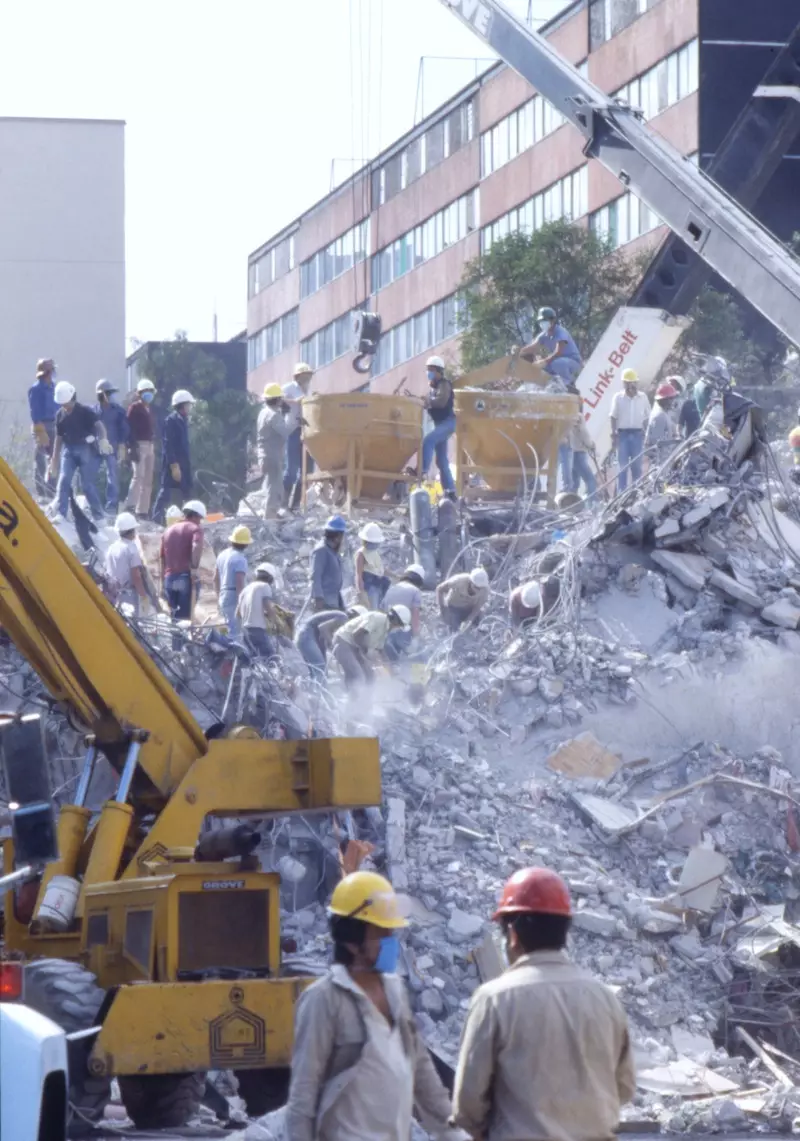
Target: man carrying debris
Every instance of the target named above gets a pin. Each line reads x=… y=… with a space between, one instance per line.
x=545 y=1051
x=314 y=639
x=112 y=415
x=80 y=441
x=326 y=567
x=440 y=406
x=141 y=448
x=272 y=432
x=630 y=412
x=176 y=465
x=43 y=409
x=363 y=637
x=293 y=393
x=230 y=576
x=179 y=558
x=660 y=436
x=563 y=359
x=794 y=444
x=255 y=608
x=124 y=565
x=371 y=582
x=532 y=600
x=462 y=597
x=359 y=1067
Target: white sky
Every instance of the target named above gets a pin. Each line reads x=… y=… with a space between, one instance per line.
x=234 y=113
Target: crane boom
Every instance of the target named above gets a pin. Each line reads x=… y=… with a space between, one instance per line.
x=710 y=222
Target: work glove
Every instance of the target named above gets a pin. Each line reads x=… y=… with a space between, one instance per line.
x=122 y=453
x=40 y=435
x=175 y=472
x=104 y=448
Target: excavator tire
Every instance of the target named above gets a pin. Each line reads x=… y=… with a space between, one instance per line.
x=161 y=1101
x=68 y=995
x=263 y=1090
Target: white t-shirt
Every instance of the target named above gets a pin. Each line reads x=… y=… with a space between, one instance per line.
x=122 y=557
x=630 y=411
x=251 y=604
x=293 y=391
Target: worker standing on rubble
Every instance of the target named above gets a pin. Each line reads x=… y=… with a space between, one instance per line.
x=359 y=1067
x=545 y=1051
x=582 y=447
x=176 y=465
x=141 y=449
x=563 y=359
x=532 y=600
x=293 y=392
x=407 y=591
x=363 y=637
x=43 y=409
x=124 y=565
x=179 y=557
x=794 y=444
x=630 y=412
x=371 y=582
x=314 y=639
x=79 y=442
x=255 y=608
x=326 y=567
x=689 y=415
x=112 y=414
x=440 y=406
x=272 y=431
x=661 y=429
x=230 y=576
x=462 y=597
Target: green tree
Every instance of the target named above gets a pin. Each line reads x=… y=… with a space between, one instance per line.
x=223 y=423
x=563 y=265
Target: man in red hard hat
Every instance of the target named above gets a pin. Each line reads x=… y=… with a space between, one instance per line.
x=662 y=430
x=545 y=1054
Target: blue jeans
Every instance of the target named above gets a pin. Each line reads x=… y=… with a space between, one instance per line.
x=168 y=490
x=565 y=466
x=313 y=656
x=82 y=458
x=293 y=466
x=630 y=445
x=375 y=586
x=112 y=484
x=582 y=470
x=227 y=605
x=397 y=644
x=178 y=589
x=435 y=442
x=563 y=367
x=258 y=642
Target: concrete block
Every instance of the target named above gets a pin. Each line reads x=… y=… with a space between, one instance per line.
x=668 y=527
x=734 y=589
x=788 y=640
x=691 y=570
x=696 y=514
x=717 y=497
x=601 y=923
x=658 y=504
x=782 y=612
x=461 y=925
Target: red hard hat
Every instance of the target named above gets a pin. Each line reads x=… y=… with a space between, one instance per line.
x=665 y=391
x=534 y=890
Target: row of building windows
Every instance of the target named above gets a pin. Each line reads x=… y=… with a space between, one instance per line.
x=419 y=333
x=325 y=265
x=272 y=340
x=270 y=266
x=425 y=241
x=624 y=220
x=672 y=79
x=528 y=124
x=567 y=198
x=608 y=18
x=424 y=153
x=329 y=342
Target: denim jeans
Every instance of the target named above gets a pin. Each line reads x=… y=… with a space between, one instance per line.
x=293 y=467
x=112 y=484
x=375 y=586
x=178 y=589
x=435 y=442
x=258 y=642
x=397 y=644
x=41 y=458
x=582 y=470
x=565 y=466
x=565 y=368
x=313 y=656
x=630 y=445
x=228 y=600
x=82 y=458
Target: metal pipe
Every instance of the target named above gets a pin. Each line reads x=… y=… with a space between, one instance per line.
x=86 y=775
x=21 y=875
x=126 y=779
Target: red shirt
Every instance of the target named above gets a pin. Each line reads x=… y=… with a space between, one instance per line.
x=181 y=547
x=140 y=421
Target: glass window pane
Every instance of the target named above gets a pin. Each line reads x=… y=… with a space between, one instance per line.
x=513 y=135
x=538 y=212
x=347 y=252
x=673 y=94
x=434 y=141
x=422 y=331
x=499 y=144
x=413 y=161
x=662 y=84
x=694 y=67
x=438 y=323
x=472 y=210
x=461 y=209
x=469 y=112
x=455 y=129
x=623 y=220
x=438 y=240
x=396 y=267
x=486 y=239
x=538 y=118
x=526 y=126
x=486 y=154
x=597 y=23
x=392 y=172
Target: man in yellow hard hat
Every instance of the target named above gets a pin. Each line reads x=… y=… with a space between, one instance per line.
x=630 y=413
x=230 y=576
x=359 y=1067
x=272 y=432
x=293 y=393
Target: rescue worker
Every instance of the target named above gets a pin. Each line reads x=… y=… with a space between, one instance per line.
x=407 y=591
x=176 y=465
x=326 y=567
x=630 y=412
x=661 y=429
x=124 y=565
x=362 y=638
x=172 y=515
x=272 y=431
x=545 y=1051
x=141 y=449
x=371 y=582
x=532 y=600
x=230 y=576
x=440 y=406
x=564 y=359
x=794 y=444
x=179 y=557
x=689 y=415
x=80 y=439
x=359 y=1067
x=314 y=639
x=43 y=409
x=255 y=608
x=582 y=447
x=462 y=597
x=112 y=415
x=293 y=393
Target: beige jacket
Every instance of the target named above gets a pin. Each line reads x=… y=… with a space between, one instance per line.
x=545 y=1056
x=329 y=1035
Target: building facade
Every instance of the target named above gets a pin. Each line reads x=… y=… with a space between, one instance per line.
x=62 y=257
x=496 y=159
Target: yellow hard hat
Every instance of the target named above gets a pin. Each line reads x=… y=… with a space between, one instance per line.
x=368 y=897
x=630 y=376
x=273 y=392
x=241 y=535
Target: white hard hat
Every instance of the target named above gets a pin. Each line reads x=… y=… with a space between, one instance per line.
x=401 y=612
x=173 y=512
x=106 y=387
x=182 y=396
x=531 y=595
x=416 y=568
x=124 y=522
x=196 y=507
x=371 y=533
x=303 y=369
x=63 y=392
x=357 y=610
x=435 y=362
x=267 y=568
x=145 y=385
x=479 y=577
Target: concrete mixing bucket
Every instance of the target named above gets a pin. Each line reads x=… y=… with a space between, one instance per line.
x=497 y=434
x=364 y=438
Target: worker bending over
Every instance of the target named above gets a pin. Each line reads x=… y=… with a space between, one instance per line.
x=364 y=637
x=176 y=464
x=314 y=639
x=359 y=1067
x=662 y=430
x=440 y=406
x=794 y=444
x=371 y=582
x=179 y=558
x=462 y=597
x=43 y=409
x=532 y=600
x=563 y=359
x=113 y=418
x=255 y=609
x=272 y=431
x=124 y=565
x=230 y=576
x=407 y=591
x=80 y=441
x=545 y=1052
x=326 y=567
x=630 y=412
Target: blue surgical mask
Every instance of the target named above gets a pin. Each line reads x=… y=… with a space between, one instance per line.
x=147 y=397
x=113 y=397
x=432 y=376
x=544 y=326
x=389 y=955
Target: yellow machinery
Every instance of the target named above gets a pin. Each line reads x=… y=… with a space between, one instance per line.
x=185 y=946
x=362 y=439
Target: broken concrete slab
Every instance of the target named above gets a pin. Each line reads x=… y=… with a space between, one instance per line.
x=783 y=613
x=607 y=814
x=396 y=842
x=685 y=1078
x=601 y=923
x=668 y=527
x=584 y=756
x=735 y=589
x=691 y=570
x=462 y=926
x=700 y=878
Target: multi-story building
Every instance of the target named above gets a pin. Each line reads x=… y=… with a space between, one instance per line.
x=498 y=158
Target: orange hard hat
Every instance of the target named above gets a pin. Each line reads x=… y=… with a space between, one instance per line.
x=665 y=391
x=534 y=890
